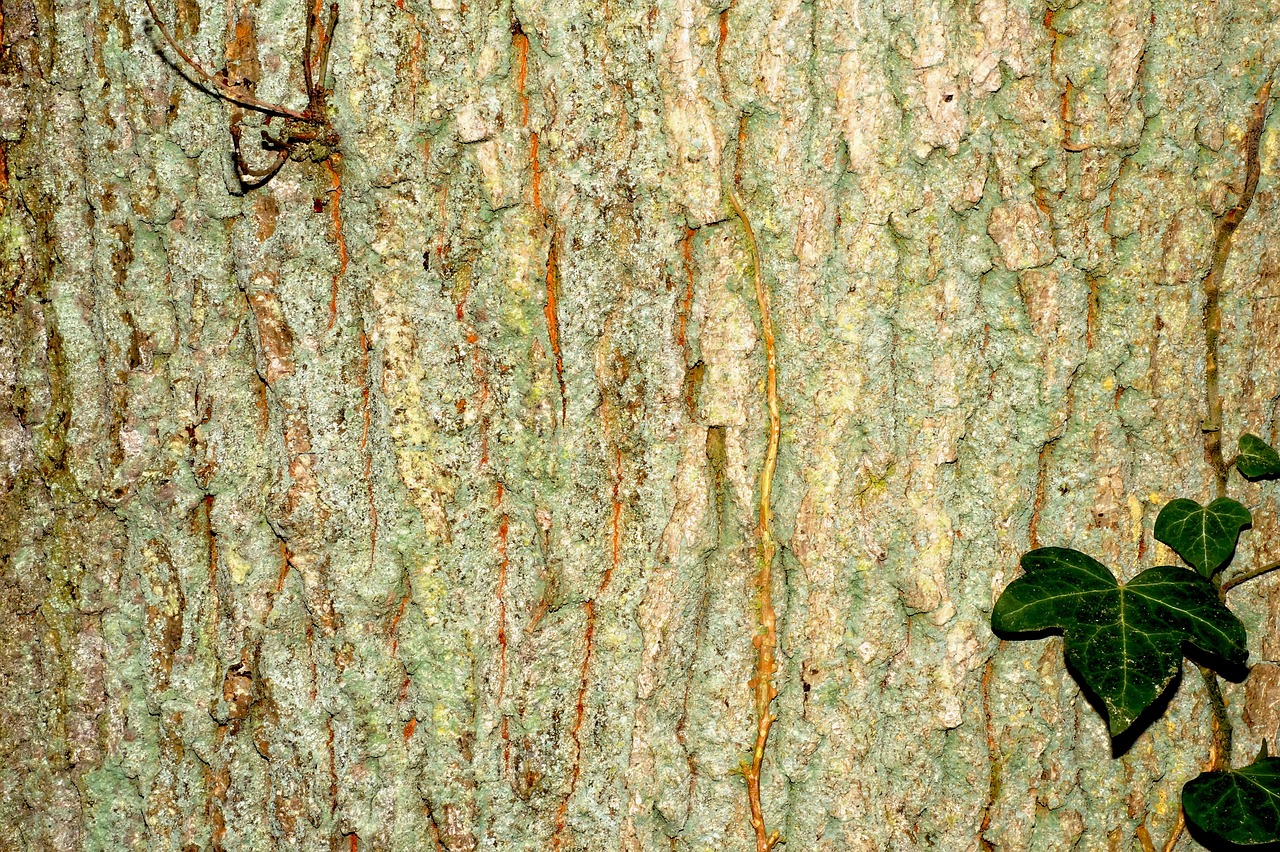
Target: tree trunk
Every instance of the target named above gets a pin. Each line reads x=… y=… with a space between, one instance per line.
x=412 y=500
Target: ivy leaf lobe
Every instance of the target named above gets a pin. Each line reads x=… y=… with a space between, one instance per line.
x=1257 y=458
x=1241 y=806
x=1125 y=641
x=1205 y=536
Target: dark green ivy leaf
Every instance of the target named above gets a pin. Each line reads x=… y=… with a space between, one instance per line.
x=1125 y=641
x=1257 y=460
x=1241 y=806
x=1205 y=536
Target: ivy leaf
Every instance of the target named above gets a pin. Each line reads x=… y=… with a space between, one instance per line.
x=1205 y=536
x=1257 y=460
x=1126 y=641
x=1240 y=806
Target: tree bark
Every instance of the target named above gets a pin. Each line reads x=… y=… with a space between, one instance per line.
x=413 y=500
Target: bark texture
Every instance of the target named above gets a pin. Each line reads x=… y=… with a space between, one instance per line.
x=409 y=502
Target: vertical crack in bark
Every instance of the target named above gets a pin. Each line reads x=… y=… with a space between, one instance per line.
x=552 y=311
x=1094 y=282
x=580 y=709
x=686 y=303
x=1042 y=467
x=520 y=42
x=766 y=641
x=993 y=753
x=1227 y=225
x=335 y=211
x=551 y=308
x=332 y=751
x=367 y=413
x=504 y=525
x=535 y=177
x=584 y=680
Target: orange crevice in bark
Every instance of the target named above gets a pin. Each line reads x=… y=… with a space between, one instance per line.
x=1037 y=505
x=1055 y=38
x=444 y=219
x=535 y=180
x=616 y=534
x=766 y=641
x=552 y=312
x=557 y=839
x=335 y=211
x=520 y=42
x=724 y=35
x=615 y=559
x=280 y=578
x=395 y=623
x=686 y=304
x=207 y=502
x=504 y=525
x=503 y=562
x=553 y=282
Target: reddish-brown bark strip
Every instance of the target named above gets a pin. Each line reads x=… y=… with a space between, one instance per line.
x=335 y=211
x=520 y=42
x=504 y=524
x=552 y=312
x=535 y=177
x=686 y=303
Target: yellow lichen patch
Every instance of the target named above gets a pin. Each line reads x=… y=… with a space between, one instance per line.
x=1135 y=518
x=237 y=566
x=428 y=588
x=446 y=722
x=412 y=427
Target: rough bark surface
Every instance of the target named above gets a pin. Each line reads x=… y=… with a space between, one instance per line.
x=409 y=502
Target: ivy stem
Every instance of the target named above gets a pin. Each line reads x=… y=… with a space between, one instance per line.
x=766 y=641
x=1220 y=749
x=1239 y=579
x=1227 y=225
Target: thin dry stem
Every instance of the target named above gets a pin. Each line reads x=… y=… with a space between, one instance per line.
x=326 y=45
x=223 y=90
x=1144 y=837
x=767 y=640
x=258 y=177
x=1177 y=833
